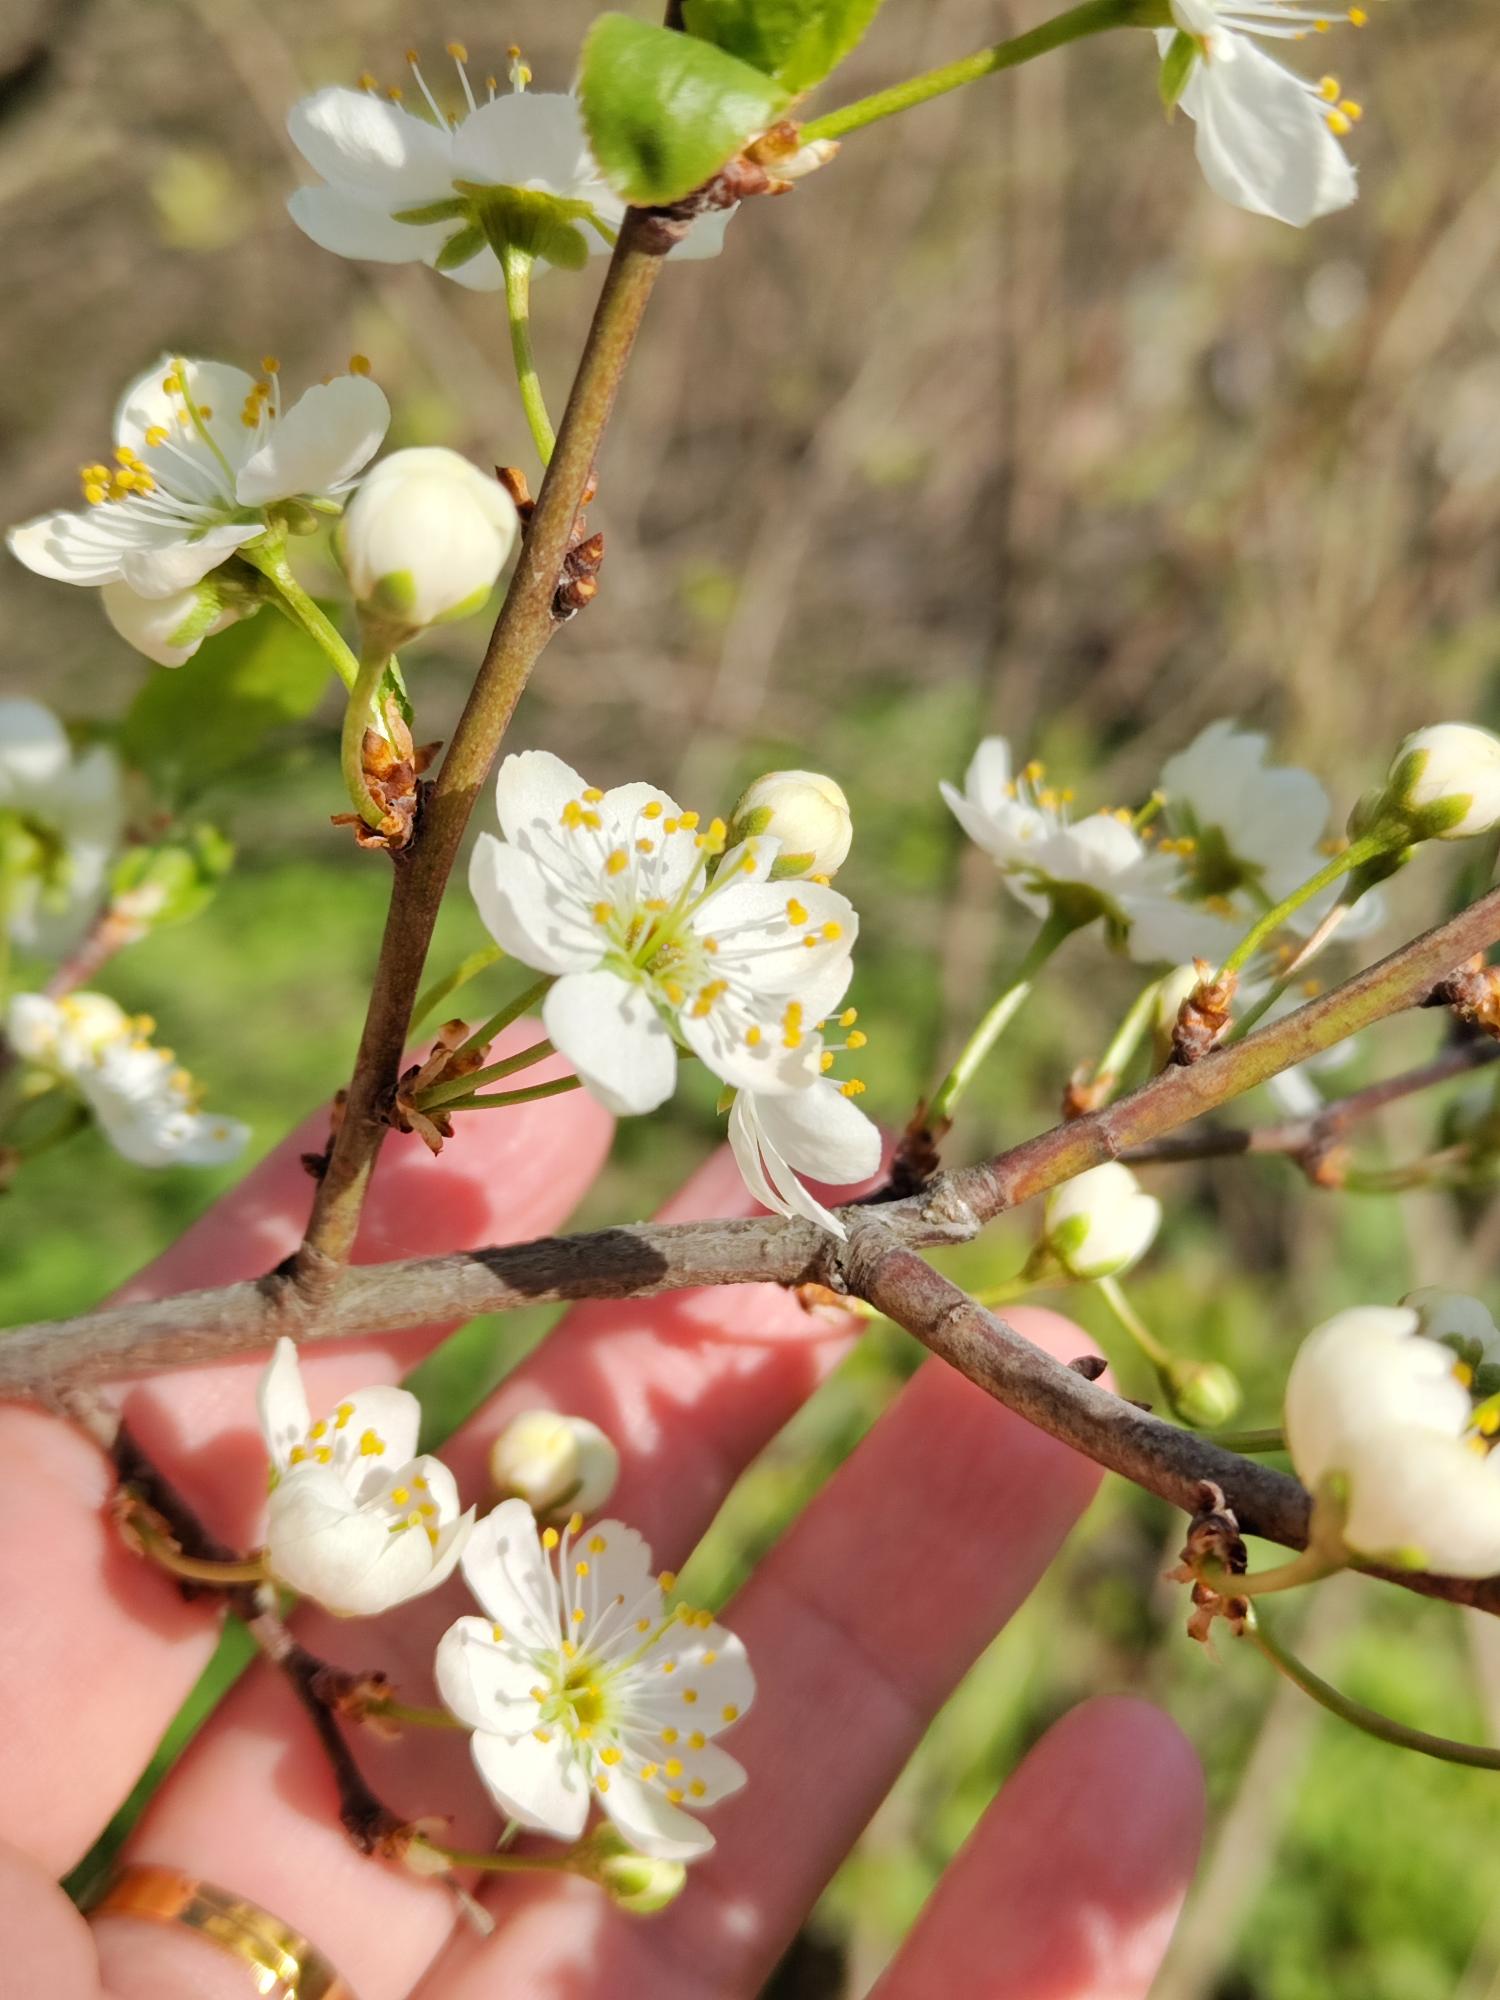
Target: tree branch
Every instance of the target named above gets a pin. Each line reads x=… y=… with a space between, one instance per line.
x=643 y=1259
x=526 y=623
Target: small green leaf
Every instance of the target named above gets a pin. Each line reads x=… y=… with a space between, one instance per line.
x=192 y=723
x=176 y=877
x=1176 y=68
x=797 y=41
x=664 y=111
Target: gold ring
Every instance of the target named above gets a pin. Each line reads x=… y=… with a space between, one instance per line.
x=283 y=1964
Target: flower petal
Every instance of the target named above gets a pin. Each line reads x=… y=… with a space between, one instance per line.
x=531 y=789
x=373 y=148
x=218 y=391
x=822 y=1133
x=1426 y=1501
x=504 y=1567
x=180 y=562
x=281 y=1403
x=1262 y=140
x=525 y=911
x=608 y=1029
x=651 y=1823
x=1366 y=1369
x=530 y=139
x=485 y=1682
x=320 y=443
x=540 y=1784
x=69 y=548
x=352 y=226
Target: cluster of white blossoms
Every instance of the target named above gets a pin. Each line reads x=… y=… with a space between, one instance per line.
x=1392 y=1412
x=582 y=1682
x=62 y=813
x=661 y=940
x=1267 y=139
x=144 y=1102
x=440 y=185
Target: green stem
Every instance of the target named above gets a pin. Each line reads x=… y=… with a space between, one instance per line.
x=1160 y=1357
x=1251 y=1443
x=432 y=997
x=1019 y=1287
x=1354 y=856
x=360 y=715
x=516 y=265
x=1126 y=1039
x=465 y=1086
x=511 y=1011
x=419 y=1718
x=492 y=1863
x=1312 y=1565
x=1004 y=1010
x=270 y=559
x=1092 y=18
x=502 y=1100
x=1370 y=1720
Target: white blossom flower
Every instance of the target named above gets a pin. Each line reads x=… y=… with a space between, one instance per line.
x=554 y=1462
x=1387 y=1412
x=1099 y=866
x=425 y=537
x=356 y=1519
x=145 y=1104
x=169 y=630
x=818 y=1131
x=611 y=892
x=1100 y=1223
x=1248 y=832
x=806 y=813
x=401 y=188
x=1445 y=781
x=203 y=453
x=61 y=816
x=580 y=1681
x=1266 y=139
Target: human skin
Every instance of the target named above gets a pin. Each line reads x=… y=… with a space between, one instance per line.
x=859 y=1624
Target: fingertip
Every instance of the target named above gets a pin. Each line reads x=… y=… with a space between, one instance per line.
x=1149 y=1757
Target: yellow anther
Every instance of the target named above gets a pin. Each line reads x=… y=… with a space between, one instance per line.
x=1034 y=771
x=857 y=1040
x=673 y=1767
x=825 y=1061
x=1351 y=110
x=1322 y=27
x=570 y=1651
x=601 y=1781
x=578 y=1615
x=395 y=93
x=1463 y=1374
x=319 y=1429
x=457 y=50
x=592 y=795
x=704 y=1619
x=414 y=1520
x=796 y=912
x=656 y=904
x=549 y=1538
x=1489 y=1423
x=670 y=825
x=791 y=1024
x=1338 y=124
x=497 y=1633
x=711 y=946
x=669 y=1666
x=342 y=1415
x=368 y=80
x=157 y=434
x=651 y=810
x=609 y=1756
x=688 y=822
x=668 y=1579
x=649 y=1771
x=675 y=1795
x=754 y=1037
x=603 y=912
x=400 y=1495
x=411 y=57
x=618 y=861
x=714 y=837
x=580 y=1569
x=669 y=1736
x=1358 y=16
x=644 y=846
x=690 y=1695
x=359 y=364
x=298 y=1455
x=821 y=880
x=538 y=1694
x=675 y=992
x=575 y=1522
x=1328 y=89
x=697 y=1740
x=371 y=1445
x=542 y=1735
x=597 y=1545
x=852 y=1087
x=729 y=1713
x=420 y=1484
x=832 y=932
x=324 y=1454
x=710 y=1657
x=643 y=1624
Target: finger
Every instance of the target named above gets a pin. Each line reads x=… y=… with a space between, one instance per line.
x=48 y=1948
x=1070 y=1886
x=858 y=1626
x=690 y=1386
x=96 y=1646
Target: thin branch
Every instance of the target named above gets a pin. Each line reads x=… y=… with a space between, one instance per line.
x=1300 y=1138
x=526 y=623
x=641 y=1260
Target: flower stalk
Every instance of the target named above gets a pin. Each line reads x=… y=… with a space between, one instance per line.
x=1056 y=927
x=1368 y=848
x=363 y=712
x=269 y=557
x=516 y=264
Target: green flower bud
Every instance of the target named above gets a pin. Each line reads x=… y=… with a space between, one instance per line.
x=1204 y=1394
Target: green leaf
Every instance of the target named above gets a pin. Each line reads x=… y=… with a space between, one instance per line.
x=796 y=41
x=192 y=723
x=176 y=877
x=664 y=111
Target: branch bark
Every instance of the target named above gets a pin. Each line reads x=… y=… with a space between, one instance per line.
x=641 y=1260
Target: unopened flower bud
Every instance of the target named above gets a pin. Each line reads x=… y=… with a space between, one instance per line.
x=1100 y=1224
x=425 y=538
x=554 y=1463
x=806 y=812
x=170 y=630
x=1204 y=1394
x=634 y=1881
x=1444 y=783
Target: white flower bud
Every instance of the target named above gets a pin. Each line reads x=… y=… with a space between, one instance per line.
x=554 y=1463
x=170 y=630
x=1445 y=782
x=806 y=812
x=425 y=538
x=1100 y=1224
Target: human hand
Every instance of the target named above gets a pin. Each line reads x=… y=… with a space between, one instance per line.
x=858 y=1625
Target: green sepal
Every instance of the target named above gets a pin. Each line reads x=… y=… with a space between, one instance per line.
x=447 y=210
x=790 y=867
x=1176 y=70
x=462 y=245
x=796 y=41
x=664 y=111
x=530 y=221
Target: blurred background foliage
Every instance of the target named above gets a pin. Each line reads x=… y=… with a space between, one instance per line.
x=1002 y=423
